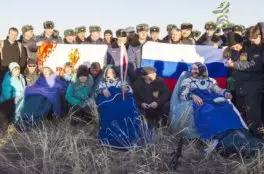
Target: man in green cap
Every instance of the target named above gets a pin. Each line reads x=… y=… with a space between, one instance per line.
x=226 y=28
x=94 y=37
x=187 y=38
x=69 y=36
x=135 y=51
x=80 y=35
x=170 y=27
x=26 y=37
x=209 y=37
x=154 y=33
x=47 y=36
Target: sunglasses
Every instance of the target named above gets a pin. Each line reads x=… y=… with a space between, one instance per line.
x=32 y=66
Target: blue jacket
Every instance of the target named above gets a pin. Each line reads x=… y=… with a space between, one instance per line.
x=12 y=87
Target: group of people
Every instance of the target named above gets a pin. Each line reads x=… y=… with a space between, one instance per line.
x=31 y=90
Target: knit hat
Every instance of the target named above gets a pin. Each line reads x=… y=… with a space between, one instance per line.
x=148 y=70
x=13 y=65
x=82 y=71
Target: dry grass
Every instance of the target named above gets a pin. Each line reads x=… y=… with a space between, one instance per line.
x=57 y=147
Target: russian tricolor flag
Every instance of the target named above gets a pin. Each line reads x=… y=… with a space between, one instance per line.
x=171 y=60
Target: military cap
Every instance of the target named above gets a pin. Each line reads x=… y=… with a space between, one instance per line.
x=196 y=33
x=69 y=32
x=171 y=26
x=121 y=33
x=218 y=30
x=227 y=26
x=80 y=29
x=210 y=26
x=130 y=30
x=186 y=26
x=154 y=29
x=27 y=28
x=48 y=25
x=239 y=28
x=142 y=27
x=94 y=28
x=108 y=32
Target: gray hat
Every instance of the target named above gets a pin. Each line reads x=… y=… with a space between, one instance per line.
x=69 y=32
x=171 y=26
x=48 y=25
x=154 y=29
x=80 y=29
x=94 y=28
x=27 y=28
x=130 y=29
x=142 y=27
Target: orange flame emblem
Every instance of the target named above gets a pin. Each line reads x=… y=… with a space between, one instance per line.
x=44 y=51
x=74 y=56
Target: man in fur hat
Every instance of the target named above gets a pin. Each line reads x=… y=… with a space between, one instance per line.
x=94 y=37
x=135 y=50
x=209 y=37
x=80 y=35
x=187 y=38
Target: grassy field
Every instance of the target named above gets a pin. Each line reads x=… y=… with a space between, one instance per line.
x=58 y=147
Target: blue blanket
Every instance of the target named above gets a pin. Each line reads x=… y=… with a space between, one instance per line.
x=52 y=88
x=214 y=118
x=120 y=122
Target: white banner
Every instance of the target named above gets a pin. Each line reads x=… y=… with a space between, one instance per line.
x=76 y=54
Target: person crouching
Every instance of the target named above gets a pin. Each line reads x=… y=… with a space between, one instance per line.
x=77 y=96
x=31 y=72
x=152 y=96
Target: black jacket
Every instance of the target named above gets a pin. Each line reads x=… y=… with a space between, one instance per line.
x=157 y=91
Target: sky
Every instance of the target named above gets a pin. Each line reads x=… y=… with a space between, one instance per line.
x=115 y=14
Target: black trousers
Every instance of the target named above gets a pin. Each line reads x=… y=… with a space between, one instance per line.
x=157 y=117
x=251 y=94
x=80 y=115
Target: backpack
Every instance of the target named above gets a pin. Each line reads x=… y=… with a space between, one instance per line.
x=2 y=46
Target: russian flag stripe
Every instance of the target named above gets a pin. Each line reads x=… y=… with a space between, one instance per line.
x=171 y=60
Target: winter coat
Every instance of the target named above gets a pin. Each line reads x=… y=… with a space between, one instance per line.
x=157 y=91
x=78 y=92
x=188 y=41
x=12 y=87
x=135 y=53
x=30 y=55
x=89 y=40
x=32 y=44
x=206 y=40
x=250 y=70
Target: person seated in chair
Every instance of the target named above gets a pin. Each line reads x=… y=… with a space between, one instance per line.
x=152 y=96
x=215 y=117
